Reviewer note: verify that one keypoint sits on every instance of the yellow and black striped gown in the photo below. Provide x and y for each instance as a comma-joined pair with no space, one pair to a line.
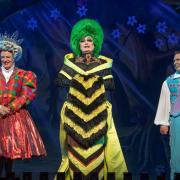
88,139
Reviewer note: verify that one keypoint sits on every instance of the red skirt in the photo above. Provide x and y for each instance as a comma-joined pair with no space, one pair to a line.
19,137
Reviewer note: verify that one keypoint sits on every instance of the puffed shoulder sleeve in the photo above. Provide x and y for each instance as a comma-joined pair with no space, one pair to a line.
28,92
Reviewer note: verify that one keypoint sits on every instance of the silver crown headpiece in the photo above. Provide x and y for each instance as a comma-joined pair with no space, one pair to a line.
11,43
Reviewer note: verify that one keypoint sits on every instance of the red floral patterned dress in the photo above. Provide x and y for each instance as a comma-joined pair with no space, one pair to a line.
19,137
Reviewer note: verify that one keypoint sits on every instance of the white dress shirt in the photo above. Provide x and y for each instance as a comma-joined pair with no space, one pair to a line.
7,73
164,106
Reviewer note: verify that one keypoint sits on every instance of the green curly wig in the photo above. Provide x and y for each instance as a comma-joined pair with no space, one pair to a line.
83,28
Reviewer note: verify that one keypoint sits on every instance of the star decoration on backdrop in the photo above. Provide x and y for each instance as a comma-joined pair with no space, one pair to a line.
131,20
173,39
159,43
116,33
141,28
32,24
55,14
81,11
161,27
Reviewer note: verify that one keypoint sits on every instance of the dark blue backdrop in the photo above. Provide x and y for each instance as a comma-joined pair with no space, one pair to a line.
140,36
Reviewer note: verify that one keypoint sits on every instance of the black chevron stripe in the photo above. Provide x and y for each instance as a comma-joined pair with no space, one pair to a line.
86,125
85,142
87,77
69,70
82,159
86,108
96,170
86,92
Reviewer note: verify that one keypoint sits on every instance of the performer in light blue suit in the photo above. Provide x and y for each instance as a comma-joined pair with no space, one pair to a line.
168,114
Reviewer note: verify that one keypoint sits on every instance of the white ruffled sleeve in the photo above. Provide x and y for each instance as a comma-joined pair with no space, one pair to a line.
163,110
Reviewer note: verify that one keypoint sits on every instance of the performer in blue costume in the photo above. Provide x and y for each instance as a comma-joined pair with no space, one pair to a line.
168,114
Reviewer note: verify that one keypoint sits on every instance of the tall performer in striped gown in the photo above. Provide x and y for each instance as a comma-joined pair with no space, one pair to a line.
88,138
19,137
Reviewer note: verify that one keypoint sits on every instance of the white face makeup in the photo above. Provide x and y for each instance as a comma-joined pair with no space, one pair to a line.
87,45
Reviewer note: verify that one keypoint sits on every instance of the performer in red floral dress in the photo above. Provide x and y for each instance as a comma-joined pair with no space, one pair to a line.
19,137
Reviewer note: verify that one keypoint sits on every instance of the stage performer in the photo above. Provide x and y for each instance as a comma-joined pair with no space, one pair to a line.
168,114
88,138
19,137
